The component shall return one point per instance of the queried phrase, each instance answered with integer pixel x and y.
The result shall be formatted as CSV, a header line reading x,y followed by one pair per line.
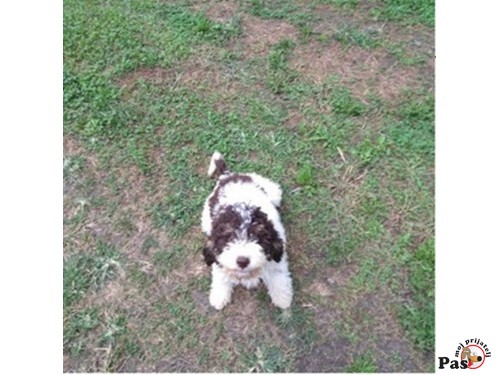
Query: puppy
x,y
246,239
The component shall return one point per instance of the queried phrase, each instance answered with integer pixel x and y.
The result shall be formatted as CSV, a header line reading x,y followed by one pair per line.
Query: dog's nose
x,y
242,262
479,358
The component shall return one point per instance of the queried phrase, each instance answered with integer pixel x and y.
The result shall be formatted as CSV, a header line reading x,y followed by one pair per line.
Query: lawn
x,y
333,99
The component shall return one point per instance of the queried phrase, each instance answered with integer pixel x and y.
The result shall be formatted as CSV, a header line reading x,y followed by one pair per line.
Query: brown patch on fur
x,y
263,230
229,225
235,177
224,229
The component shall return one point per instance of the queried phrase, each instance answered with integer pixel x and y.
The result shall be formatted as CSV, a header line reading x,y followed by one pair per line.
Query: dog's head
x,y
471,357
242,240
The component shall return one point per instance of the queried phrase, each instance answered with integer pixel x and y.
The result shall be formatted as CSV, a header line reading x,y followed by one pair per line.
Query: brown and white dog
x,y
246,239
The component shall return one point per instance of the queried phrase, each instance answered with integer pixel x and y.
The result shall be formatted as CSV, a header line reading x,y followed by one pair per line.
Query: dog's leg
x,y
221,290
279,286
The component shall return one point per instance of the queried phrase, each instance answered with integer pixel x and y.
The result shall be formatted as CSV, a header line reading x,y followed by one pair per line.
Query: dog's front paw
x,y
282,300
219,299
279,287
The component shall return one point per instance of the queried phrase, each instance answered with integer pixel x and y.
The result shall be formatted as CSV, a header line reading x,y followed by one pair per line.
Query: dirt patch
x,y
156,75
386,332
176,364
127,225
351,321
326,357
222,12
365,71
331,279
339,276
394,222
362,71
204,75
259,35
417,39
293,119
115,212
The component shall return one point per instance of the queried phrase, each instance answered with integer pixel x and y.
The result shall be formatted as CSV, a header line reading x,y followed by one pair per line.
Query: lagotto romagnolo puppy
x,y
246,239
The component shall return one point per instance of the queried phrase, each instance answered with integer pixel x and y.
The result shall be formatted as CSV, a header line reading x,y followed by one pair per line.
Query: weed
x,y
363,363
280,75
350,4
368,151
348,36
267,359
305,176
343,103
399,51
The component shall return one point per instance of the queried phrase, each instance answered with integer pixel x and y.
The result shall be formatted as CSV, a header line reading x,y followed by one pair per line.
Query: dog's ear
x,y
465,353
208,253
267,237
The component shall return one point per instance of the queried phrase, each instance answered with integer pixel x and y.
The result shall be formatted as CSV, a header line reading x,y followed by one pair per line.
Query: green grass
x,y
349,36
342,3
407,11
417,314
152,88
363,363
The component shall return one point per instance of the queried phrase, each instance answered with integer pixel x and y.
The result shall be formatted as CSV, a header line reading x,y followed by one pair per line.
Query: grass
x,y
362,364
417,315
407,11
348,36
85,271
152,88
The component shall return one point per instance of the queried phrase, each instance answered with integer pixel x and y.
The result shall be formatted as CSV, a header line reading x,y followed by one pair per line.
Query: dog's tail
x,y
217,166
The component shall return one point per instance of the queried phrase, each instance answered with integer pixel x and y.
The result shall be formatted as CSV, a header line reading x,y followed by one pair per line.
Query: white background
x,y
468,177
